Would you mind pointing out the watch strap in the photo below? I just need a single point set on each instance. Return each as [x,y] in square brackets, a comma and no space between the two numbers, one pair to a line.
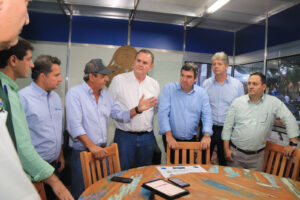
[292,143]
[137,110]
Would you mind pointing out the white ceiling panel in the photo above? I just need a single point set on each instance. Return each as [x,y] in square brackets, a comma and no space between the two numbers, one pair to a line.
[232,17]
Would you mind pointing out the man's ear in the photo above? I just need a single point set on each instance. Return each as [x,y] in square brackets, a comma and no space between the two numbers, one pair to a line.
[264,86]
[91,77]
[42,76]
[12,60]
[151,66]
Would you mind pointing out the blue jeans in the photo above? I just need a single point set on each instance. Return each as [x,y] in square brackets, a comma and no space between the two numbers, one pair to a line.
[135,150]
[77,186]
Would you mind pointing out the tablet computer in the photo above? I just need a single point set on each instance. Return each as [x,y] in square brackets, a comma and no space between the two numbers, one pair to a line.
[165,189]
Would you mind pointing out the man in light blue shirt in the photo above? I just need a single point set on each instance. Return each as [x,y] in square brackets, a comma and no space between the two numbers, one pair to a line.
[181,106]
[43,110]
[222,90]
[88,108]
[249,123]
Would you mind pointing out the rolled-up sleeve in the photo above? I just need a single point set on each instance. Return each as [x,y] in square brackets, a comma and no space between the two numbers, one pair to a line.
[74,115]
[164,109]
[118,114]
[206,114]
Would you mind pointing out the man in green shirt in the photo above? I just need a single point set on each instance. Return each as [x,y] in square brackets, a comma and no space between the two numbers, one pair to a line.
[16,62]
[249,122]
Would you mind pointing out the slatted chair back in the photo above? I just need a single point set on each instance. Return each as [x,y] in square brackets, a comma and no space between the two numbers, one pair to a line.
[94,170]
[194,147]
[276,163]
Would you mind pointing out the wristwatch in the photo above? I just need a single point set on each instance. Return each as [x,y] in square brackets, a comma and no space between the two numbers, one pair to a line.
[292,143]
[137,110]
[206,134]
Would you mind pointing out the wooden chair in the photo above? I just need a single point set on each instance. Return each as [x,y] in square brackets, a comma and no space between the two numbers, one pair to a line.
[184,146]
[278,164]
[94,170]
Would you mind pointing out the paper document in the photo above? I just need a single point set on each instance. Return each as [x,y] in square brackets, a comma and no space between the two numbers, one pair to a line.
[168,171]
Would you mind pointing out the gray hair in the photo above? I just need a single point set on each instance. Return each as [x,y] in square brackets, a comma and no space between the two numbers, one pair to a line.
[221,56]
[90,68]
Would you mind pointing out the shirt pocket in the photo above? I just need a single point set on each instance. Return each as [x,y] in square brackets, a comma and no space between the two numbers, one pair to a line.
[263,117]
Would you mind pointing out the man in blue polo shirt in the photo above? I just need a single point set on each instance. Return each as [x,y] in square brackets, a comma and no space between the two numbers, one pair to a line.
[181,106]
[43,110]
[222,90]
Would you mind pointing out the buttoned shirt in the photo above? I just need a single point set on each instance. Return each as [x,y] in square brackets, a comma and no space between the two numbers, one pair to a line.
[180,112]
[248,124]
[126,90]
[32,163]
[86,116]
[221,96]
[43,111]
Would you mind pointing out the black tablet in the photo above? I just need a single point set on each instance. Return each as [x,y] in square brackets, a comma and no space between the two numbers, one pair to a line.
[165,189]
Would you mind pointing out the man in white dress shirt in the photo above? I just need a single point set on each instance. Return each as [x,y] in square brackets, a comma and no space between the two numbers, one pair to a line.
[135,139]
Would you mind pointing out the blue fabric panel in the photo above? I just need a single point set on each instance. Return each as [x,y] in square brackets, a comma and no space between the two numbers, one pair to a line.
[251,38]
[95,30]
[209,41]
[46,27]
[284,27]
[157,35]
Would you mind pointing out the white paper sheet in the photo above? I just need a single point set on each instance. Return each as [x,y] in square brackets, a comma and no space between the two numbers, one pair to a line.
[168,171]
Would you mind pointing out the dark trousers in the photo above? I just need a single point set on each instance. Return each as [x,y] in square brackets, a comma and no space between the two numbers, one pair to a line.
[216,139]
[172,153]
[135,150]
[49,192]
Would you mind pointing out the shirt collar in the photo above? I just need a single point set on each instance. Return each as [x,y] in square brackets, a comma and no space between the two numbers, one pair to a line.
[39,90]
[133,76]
[178,87]
[6,80]
[261,99]
[88,89]
[227,80]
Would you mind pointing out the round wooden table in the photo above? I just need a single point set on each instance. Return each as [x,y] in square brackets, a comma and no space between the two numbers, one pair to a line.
[219,183]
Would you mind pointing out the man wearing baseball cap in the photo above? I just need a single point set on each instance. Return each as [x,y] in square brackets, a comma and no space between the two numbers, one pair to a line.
[88,108]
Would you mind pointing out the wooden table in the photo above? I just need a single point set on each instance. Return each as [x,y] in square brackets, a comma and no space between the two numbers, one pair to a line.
[219,183]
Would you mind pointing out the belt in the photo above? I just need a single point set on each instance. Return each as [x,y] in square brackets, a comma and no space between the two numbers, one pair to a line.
[136,133]
[216,126]
[245,151]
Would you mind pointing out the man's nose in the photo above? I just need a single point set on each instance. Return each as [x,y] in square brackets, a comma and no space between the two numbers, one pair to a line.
[27,20]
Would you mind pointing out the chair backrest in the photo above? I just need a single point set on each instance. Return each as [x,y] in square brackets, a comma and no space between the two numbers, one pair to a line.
[194,147]
[94,170]
[276,163]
